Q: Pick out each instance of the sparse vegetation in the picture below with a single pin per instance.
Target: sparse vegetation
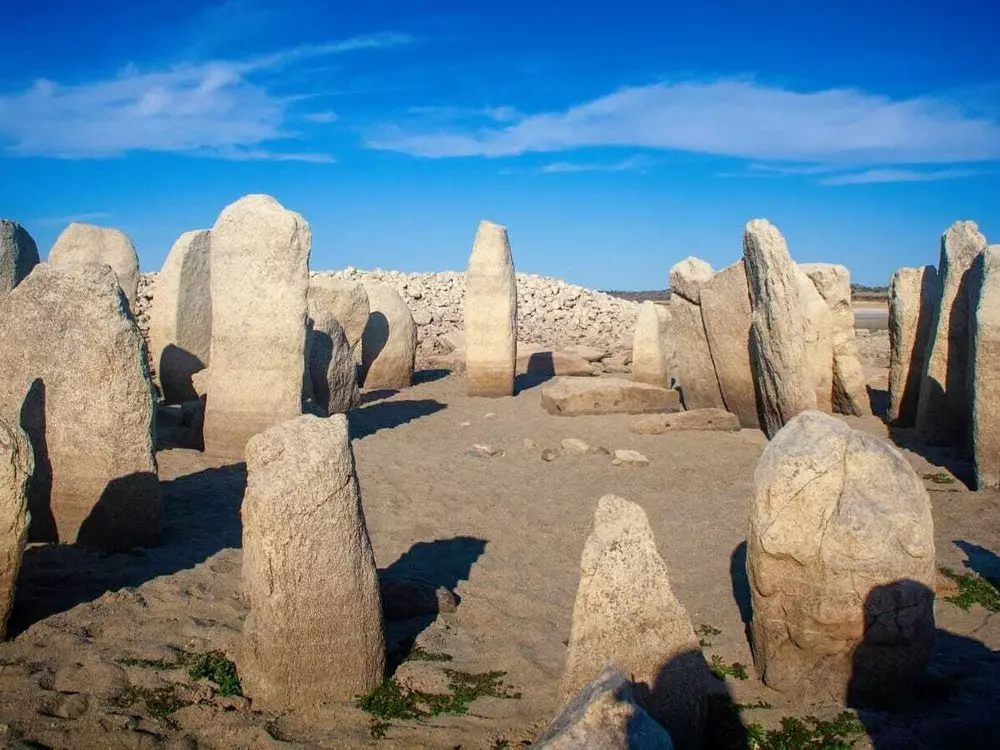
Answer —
(752, 706)
(807, 734)
(720, 670)
(972, 589)
(418, 653)
(212, 665)
(940, 477)
(160, 702)
(704, 632)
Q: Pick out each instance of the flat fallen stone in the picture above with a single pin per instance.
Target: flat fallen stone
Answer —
(706, 420)
(629, 457)
(569, 397)
(588, 353)
(533, 359)
(575, 445)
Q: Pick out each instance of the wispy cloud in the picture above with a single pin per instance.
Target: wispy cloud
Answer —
(624, 165)
(873, 176)
(737, 118)
(322, 118)
(219, 108)
(52, 221)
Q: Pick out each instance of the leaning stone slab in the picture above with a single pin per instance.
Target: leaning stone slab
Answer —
(572, 397)
(71, 345)
(725, 310)
(986, 374)
(652, 345)
(260, 277)
(180, 323)
(604, 714)
(700, 420)
(782, 372)
(17, 464)
(332, 373)
(626, 614)
(840, 558)
(314, 630)
(914, 295)
(490, 315)
(18, 254)
(943, 410)
(81, 244)
(345, 301)
(693, 368)
(389, 343)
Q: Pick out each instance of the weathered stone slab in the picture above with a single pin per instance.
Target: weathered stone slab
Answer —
(490, 314)
(914, 296)
(571, 397)
(626, 614)
(345, 301)
(687, 278)
(943, 410)
(259, 281)
(314, 630)
(705, 420)
(652, 346)
(389, 343)
(18, 254)
(725, 311)
(180, 323)
(782, 372)
(17, 464)
(71, 345)
(840, 558)
(693, 368)
(985, 390)
(533, 359)
(80, 244)
(818, 341)
(333, 377)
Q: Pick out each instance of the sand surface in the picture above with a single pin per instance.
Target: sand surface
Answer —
(505, 533)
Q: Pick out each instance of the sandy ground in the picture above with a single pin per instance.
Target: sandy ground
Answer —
(505, 533)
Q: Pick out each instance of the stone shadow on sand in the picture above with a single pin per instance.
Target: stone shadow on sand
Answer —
(955, 459)
(429, 376)
(369, 397)
(741, 584)
(202, 512)
(385, 415)
(878, 401)
(981, 561)
(541, 368)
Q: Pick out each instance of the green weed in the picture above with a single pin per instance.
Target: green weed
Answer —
(720, 670)
(940, 478)
(704, 632)
(216, 667)
(160, 702)
(807, 734)
(418, 653)
(972, 589)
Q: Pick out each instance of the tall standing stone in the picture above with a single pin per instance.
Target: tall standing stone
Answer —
(259, 282)
(626, 614)
(314, 630)
(490, 314)
(652, 345)
(818, 341)
(850, 391)
(333, 376)
(344, 301)
(18, 254)
(840, 558)
(180, 323)
(725, 310)
(389, 343)
(68, 341)
(782, 375)
(914, 295)
(17, 464)
(985, 390)
(943, 410)
(80, 244)
(694, 371)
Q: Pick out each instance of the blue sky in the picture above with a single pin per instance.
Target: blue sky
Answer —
(611, 141)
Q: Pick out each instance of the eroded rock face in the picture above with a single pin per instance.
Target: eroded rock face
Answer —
(81, 244)
(653, 346)
(314, 630)
(18, 254)
(71, 345)
(780, 362)
(259, 281)
(574, 396)
(914, 296)
(627, 615)
(344, 301)
(840, 558)
(180, 324)
(943, 409)
(389, 343)
(332, 373)
(687, 278)
(693, 367)
(490, 314)
(17, 464)
(819, 340)
(985, 392)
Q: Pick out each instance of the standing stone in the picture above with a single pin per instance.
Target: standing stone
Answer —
(332, 375)
(314, 630)
(818, 341)
(652, 345)
(81, 244)
(180, 323)
(260, 278)
(725, 310)
(490, 314)
(694, 371)
(914, 294)
(782, 376)
(389, 343)
(344, 301)
(840, 558)
(18, 254)
(985, 389)
(626, 614)
(943, 409)
(70, 344)
(17, 464)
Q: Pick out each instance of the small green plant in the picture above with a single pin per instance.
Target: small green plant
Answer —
(418, 653)
(720, 670)
(752, 706)
(378, 728)
(390, 700)
(972, 589)
(704, 632)
(160, 702)
(147, 663)
(216, 667)
(807, 734)
(940, 478)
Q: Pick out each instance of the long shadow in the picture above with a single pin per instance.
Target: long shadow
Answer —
(377, 395)
(955, 459)
(202, 517)
(541, 368)
(429, 376)
(981, 561)
(741, 585)
(385, 415)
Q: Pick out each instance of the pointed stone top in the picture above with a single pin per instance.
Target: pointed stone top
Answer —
(617, 519)
(960, 244)
(491, 245)
(687, 276)
(489, 226)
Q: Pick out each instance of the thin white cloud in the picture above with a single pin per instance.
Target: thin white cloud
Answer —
(52, 221)
(213, 108)
(736, 118)
(321, 118)
(873, 176)
(260, 154)
(563, 166)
